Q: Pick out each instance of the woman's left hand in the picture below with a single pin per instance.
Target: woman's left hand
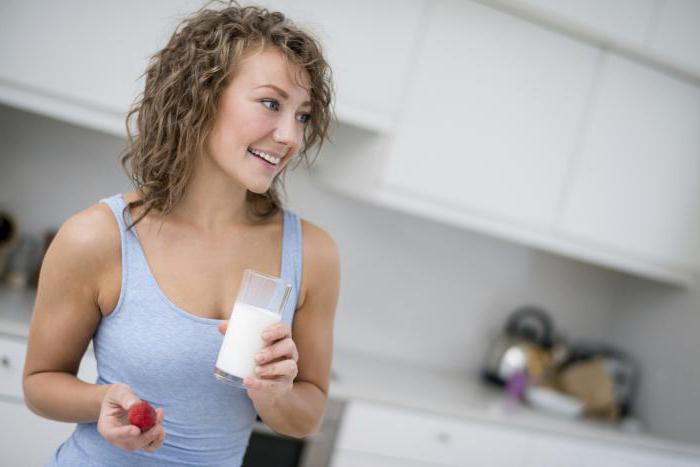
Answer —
(277, 363)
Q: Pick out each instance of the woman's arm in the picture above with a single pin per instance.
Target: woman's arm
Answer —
(66, 314)
(295, 407)
(300, 412)
(84, 253)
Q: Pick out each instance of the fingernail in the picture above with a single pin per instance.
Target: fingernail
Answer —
(266, 335)
(259, 357)
(258, 370)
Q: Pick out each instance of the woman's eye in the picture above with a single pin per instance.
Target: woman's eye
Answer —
(304, 118)
(271, 104)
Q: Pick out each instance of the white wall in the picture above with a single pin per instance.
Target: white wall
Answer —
(660, 325)
(411, 289)
(51, 169)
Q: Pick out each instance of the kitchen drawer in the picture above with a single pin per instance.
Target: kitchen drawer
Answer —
(28, 439)
(361, 459)
(12, 351)
(403, 433)
(12, 354)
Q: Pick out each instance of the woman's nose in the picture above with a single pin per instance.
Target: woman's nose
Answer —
(288, 132)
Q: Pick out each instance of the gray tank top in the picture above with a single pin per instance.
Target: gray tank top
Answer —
(166, 356)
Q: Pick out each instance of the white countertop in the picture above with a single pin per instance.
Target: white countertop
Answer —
(374, 379)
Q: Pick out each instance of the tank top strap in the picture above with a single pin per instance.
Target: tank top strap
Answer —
(116, 204)
(291, 260)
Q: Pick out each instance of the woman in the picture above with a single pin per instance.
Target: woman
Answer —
(151, 276)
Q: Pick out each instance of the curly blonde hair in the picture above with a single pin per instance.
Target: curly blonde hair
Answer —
(184, 82)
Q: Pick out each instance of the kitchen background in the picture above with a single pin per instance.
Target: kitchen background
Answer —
(488, 155)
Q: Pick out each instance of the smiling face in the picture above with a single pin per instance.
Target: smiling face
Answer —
(260, 122)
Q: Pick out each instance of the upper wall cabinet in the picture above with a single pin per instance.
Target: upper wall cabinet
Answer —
(80, 61)
(627, 21)
(636, 184)
(495, 107)
(663, 33)
(519, 132)
(369, 44)
(677, 33)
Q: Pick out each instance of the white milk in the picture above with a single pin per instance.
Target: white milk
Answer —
(244, 339)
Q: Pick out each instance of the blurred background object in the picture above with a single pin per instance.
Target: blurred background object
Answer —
(23, 262)
(569, 378)
(8, 232)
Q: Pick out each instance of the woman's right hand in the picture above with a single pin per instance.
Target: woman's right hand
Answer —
(113, 423)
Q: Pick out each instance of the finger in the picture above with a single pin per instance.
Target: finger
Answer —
(120, 396)
(272, 386)
(123, 434)
(222, 326)
(149, 437)
(126, 399)
(160, 440)
(286, 368)
(284, 348)
(160, 415)
(150, 448)
(276, 332)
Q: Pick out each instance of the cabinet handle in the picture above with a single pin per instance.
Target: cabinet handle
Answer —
(5, 361)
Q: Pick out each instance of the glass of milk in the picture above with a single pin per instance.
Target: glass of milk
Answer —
(260, 302)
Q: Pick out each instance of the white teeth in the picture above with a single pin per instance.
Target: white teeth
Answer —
(269, 158)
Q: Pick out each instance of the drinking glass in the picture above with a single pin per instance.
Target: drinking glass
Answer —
(260, 302)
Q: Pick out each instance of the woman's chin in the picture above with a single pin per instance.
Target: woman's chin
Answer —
(259, 188)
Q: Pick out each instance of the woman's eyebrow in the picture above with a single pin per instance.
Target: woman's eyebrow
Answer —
(282, 93)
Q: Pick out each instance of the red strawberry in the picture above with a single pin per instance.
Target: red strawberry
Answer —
(142, 415)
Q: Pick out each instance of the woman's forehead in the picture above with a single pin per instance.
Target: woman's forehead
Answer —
(271, 67)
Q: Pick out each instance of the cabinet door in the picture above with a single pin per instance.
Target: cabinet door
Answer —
(553, 450)
(626, 21)
(89, 52)
(677, 35)
(394, 432)
(12, 352)
(360, 459)
(370, 45)
(80, 60)
(636, 185)
(494, 109)
(90, 55)
(27, 438)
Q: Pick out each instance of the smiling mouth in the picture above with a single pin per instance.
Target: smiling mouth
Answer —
(269, 158)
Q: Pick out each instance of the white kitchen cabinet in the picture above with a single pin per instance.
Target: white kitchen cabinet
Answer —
(80, 61)
(373, 434)
(495, 107)
(636, 185)
(12, 351)
(361, 459)
(391, 432)
(370, 46)
(624, 21)
(531, 136)
(29, 439)
(555, 450)
(677, 33)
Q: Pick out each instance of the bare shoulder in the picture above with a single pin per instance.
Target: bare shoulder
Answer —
(85, 247)
(321, 261)
(90, 233)
(319, 247)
